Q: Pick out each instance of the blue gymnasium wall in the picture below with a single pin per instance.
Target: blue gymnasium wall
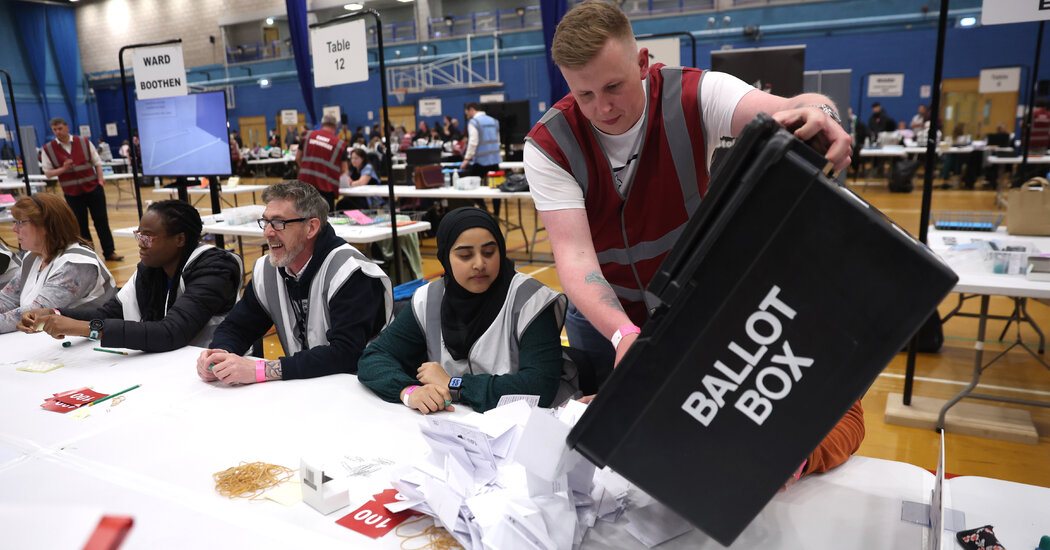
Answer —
(31, 111)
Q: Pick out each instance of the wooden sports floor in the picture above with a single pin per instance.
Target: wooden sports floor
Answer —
(939, 375)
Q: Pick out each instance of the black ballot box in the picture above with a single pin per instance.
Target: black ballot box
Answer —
(783, 299)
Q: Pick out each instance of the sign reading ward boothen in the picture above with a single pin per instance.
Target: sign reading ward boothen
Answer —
(339, 53)
(159, 72)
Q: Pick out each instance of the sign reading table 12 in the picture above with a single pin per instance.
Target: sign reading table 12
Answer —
(339, 54)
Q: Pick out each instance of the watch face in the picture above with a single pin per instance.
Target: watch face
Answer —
(455, 383)
(95, 324)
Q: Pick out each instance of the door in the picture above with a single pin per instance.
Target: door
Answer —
(402, 115)
(252, 130)
(966, 111)
(271, 40)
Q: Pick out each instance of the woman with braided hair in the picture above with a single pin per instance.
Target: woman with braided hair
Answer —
(180, 291)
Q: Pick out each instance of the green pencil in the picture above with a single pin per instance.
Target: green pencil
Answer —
(111, 396)
(111, 351)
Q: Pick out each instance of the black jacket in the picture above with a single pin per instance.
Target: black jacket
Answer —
(211, 289)
(358, 314)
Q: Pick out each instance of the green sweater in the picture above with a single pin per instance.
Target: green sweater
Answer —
(390, 362)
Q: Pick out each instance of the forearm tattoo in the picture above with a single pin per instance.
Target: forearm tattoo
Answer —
(273, 370)
(606, 294)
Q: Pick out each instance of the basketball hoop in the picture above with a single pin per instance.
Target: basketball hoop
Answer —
(399, 93)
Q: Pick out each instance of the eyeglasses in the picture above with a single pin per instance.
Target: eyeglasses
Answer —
(145, 241)
(20, 223)
(278, 225)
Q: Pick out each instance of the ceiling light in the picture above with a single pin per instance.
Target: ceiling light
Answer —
(264, 82)
(353, 7)
(404, 1)
(269, 20)
(967, 21)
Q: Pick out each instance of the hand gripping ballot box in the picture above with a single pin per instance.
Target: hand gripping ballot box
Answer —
(783, 299)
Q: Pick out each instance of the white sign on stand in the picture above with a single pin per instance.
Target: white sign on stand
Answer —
(159, 72)
(111, 129)
(289, 117)
(1006, 79)
(994, 12)
(3, 102)
(339, 54)
(886, 85)
(430, 106)
(333, 110)
(85, 131)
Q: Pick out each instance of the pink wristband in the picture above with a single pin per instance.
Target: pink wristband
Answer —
(260, 370)
(408, 392)
(624, 331)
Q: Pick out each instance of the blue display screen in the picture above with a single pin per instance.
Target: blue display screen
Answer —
(184, 135)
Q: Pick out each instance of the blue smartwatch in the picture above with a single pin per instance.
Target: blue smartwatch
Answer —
(454, 384)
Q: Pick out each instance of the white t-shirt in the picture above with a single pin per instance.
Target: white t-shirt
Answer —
(553, 188)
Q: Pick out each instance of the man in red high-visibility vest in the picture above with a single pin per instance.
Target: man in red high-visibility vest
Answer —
(322, 160)
(75, 162)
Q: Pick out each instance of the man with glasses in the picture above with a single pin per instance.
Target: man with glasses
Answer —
(326, 300)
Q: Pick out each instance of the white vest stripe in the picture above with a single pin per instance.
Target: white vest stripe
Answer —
(496, 350)
(32, 279)
(129, 302)
(336, 269)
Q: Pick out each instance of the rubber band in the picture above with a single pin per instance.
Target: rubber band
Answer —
(249, 480)
(432, 537)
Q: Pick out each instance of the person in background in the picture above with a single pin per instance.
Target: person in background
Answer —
(376, 146)
(359, 133)
(325, 299)
(345, 135)
(918, 122)
(236, 137)
(361, 173)
(483, 146)
(181, 290)
(435, 139)
(291, 136)
(879, 121)
(75, 162)
(454, 133)
(1039, 140)
(905, 132)
(58, 271)
(322, 160)
(480, 332)
(104, 153)
(125, 149)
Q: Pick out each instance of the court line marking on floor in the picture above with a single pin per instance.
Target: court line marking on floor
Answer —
(965, 383)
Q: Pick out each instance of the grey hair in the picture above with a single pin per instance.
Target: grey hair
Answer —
(58, 120)
(329, 120)
(308, 202)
